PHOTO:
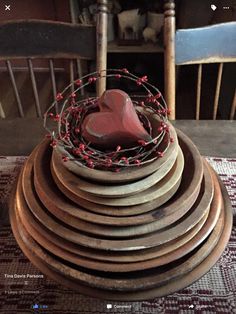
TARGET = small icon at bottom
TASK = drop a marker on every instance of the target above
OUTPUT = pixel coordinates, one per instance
(109, 306)
(35, 306)
(191, 306)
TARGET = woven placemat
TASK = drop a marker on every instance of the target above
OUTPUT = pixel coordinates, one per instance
(32, 292)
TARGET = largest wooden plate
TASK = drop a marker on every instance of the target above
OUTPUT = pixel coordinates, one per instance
(165, 253)
(184, 279)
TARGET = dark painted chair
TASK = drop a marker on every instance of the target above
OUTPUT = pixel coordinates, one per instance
(198, 46)
(33, 47)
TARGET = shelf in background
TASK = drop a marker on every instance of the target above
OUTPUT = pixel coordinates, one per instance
(113, 47)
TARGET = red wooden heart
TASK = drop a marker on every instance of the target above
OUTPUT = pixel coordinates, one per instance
(116, 123)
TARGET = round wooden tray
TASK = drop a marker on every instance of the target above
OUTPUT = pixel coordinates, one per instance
(161, 191)
(171, 251)
(129, 175)
(88, 227)
(56, 202)
(93, 241)
(116, 256)
(177, 230)
(149, 286)
(76, 183)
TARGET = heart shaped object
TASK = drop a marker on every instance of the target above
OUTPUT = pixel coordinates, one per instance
(116, 123)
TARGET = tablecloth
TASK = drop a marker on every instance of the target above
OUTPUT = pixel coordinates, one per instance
(215, 292)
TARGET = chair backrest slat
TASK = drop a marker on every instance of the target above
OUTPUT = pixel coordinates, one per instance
(217, 93)
(38, 39)
(16, 93)
(199, 84)
(209, 44)
(35, 89)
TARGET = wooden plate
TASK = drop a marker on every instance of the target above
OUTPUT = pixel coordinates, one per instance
(93, 228)
(127, 175)
(161, 191)
(117, 266)
(35, 228)
(185, 197)
(134, 282)
(196, 213)
(69, 179)
(170, 287)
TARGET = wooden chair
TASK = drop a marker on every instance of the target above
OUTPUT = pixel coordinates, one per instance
(211, 44)
(35, 46)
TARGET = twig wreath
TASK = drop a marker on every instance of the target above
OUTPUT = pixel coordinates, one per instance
(70, 117)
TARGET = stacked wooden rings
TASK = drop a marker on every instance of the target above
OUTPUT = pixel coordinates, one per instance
(135, 236)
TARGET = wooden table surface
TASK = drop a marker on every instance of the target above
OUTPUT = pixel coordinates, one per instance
(213, 138)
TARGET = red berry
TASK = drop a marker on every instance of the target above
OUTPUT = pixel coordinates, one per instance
(65, 158)
(53, 143)
(137, 162)
(59, 96)
(125, 70)
(92, 79)
(158, 95)
(78, 82)
(81, 146)
(90, 164)
(142, 142)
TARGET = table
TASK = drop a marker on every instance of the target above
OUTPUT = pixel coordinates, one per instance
(213, 293)
(213, 137)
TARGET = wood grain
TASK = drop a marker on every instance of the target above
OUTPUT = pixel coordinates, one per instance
(38, 39)
(161, 191)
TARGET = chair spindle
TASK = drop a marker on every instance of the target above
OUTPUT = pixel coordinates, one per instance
(217, 93)
(35, 90)
(72, 75)
(53, 80)
(233, 107)
(199, 83)
(13, 81)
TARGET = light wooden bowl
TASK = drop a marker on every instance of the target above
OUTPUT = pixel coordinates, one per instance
(127, 174)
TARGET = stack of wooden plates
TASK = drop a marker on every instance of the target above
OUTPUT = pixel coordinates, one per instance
(133, 235)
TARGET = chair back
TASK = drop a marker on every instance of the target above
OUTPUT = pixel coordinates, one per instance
(199, 46)
(29, 49)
